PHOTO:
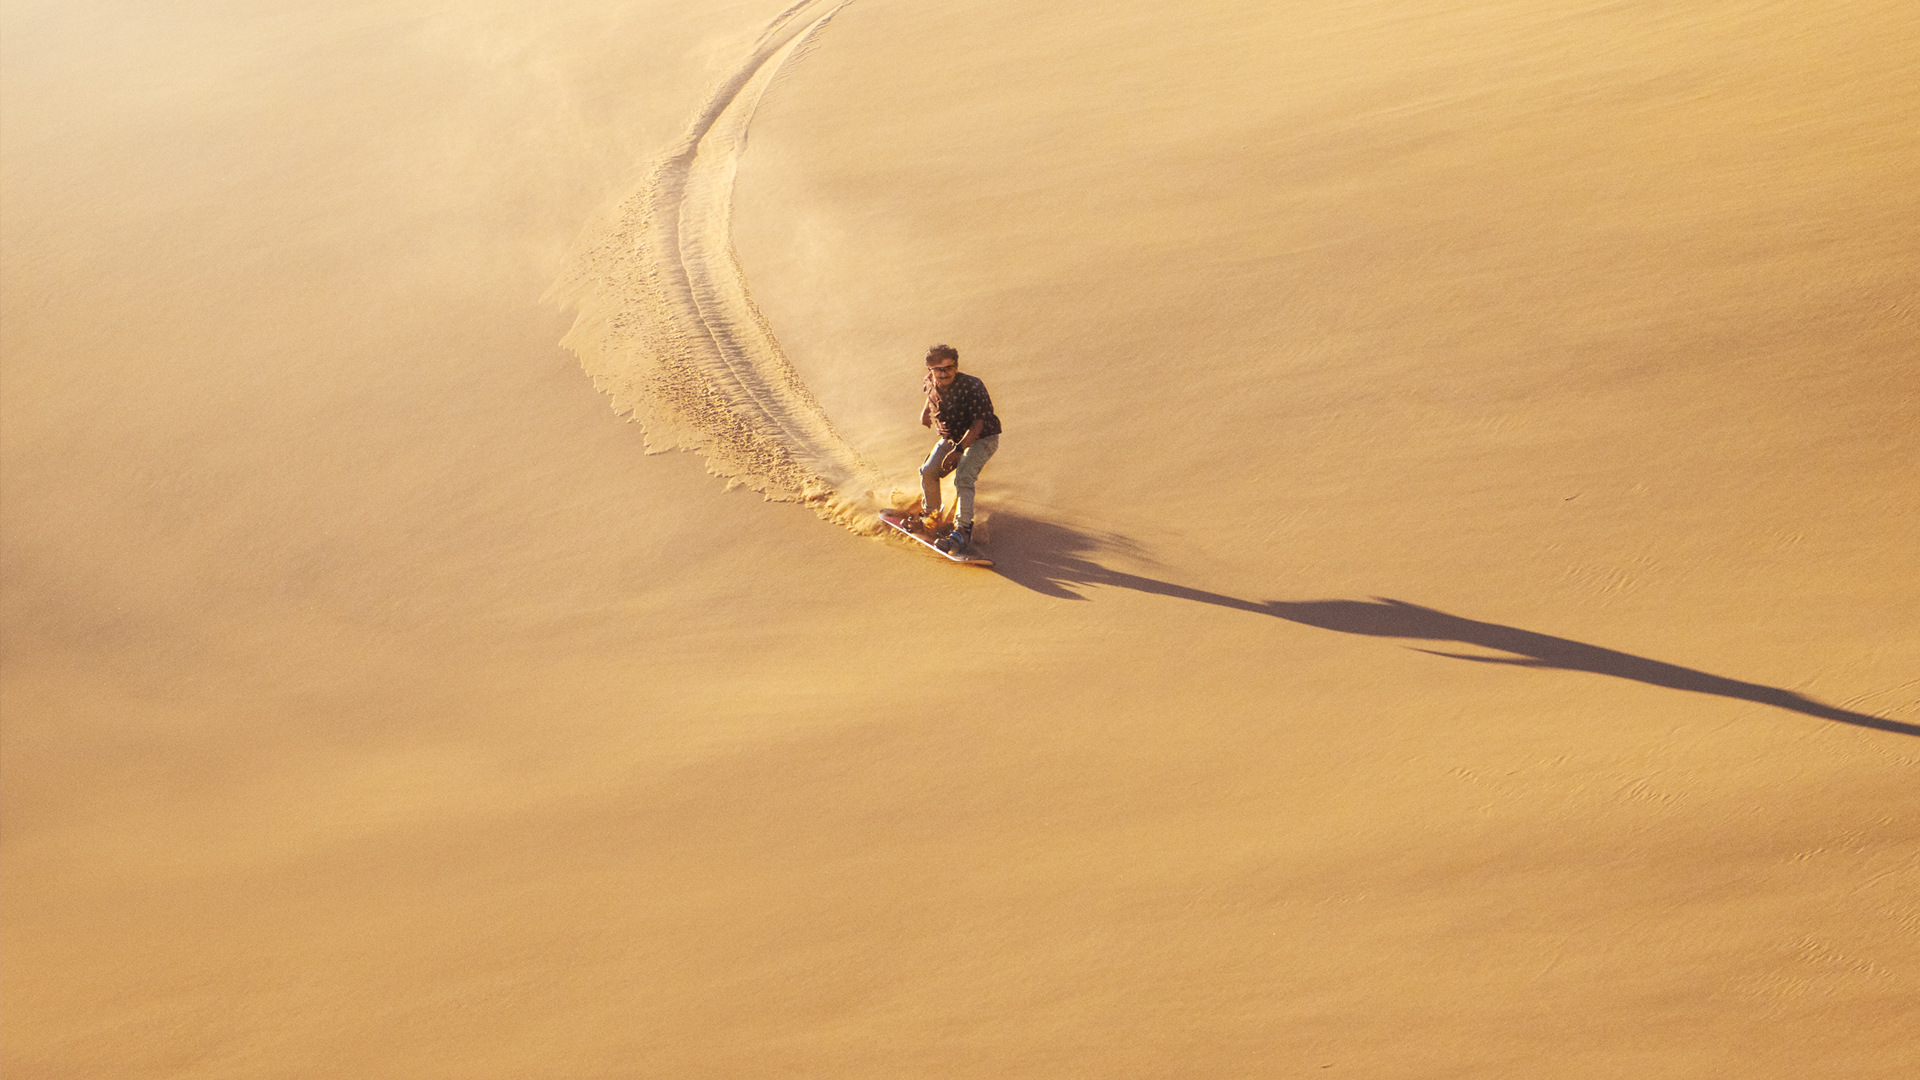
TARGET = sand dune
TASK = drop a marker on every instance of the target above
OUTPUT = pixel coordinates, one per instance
(1453, 609)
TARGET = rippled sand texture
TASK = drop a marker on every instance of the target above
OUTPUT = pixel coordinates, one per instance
(1454, 612)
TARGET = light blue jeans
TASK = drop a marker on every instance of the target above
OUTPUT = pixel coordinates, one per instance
(972, 460)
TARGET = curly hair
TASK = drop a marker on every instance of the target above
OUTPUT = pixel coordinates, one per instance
(937, 353)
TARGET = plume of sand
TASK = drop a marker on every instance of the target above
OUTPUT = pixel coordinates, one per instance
(668, 329)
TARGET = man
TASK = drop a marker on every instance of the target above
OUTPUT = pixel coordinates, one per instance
(960, 411)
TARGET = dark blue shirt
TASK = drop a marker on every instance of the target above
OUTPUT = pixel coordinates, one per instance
(956, 408)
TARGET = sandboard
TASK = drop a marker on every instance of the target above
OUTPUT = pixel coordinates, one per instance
(893, 522)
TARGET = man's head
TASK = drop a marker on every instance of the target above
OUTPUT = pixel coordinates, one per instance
(944, 362)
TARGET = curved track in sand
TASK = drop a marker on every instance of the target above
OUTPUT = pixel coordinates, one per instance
(668, 328)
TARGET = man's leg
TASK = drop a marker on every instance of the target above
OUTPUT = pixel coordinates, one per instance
(930, 478)
(968, 473)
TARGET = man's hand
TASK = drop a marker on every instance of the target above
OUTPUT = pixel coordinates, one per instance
(950, 462)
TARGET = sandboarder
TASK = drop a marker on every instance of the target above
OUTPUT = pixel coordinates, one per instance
(961, 413)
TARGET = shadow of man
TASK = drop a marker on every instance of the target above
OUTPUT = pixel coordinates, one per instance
(1057, 561)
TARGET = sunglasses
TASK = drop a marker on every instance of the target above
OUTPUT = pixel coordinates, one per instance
(943, 367)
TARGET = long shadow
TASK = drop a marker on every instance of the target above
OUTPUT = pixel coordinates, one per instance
(1057, 561)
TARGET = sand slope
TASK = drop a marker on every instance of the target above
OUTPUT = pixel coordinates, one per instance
(1454, 611)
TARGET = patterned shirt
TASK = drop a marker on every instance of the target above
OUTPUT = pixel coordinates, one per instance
(956, 408)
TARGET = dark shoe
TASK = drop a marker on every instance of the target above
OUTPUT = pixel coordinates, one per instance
(956, 541)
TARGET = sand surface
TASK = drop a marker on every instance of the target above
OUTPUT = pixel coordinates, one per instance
(1457, 610)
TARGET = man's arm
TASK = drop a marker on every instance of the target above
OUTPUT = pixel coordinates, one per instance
(973, 433)
(952, 460)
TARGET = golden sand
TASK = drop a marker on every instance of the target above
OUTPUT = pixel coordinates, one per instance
(1455, 609)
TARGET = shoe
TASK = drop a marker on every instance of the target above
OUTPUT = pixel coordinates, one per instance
(919, 523)
(956, 541)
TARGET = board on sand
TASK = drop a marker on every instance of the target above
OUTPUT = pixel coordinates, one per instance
(896, 523)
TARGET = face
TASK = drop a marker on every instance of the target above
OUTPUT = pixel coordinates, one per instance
(944, 371)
